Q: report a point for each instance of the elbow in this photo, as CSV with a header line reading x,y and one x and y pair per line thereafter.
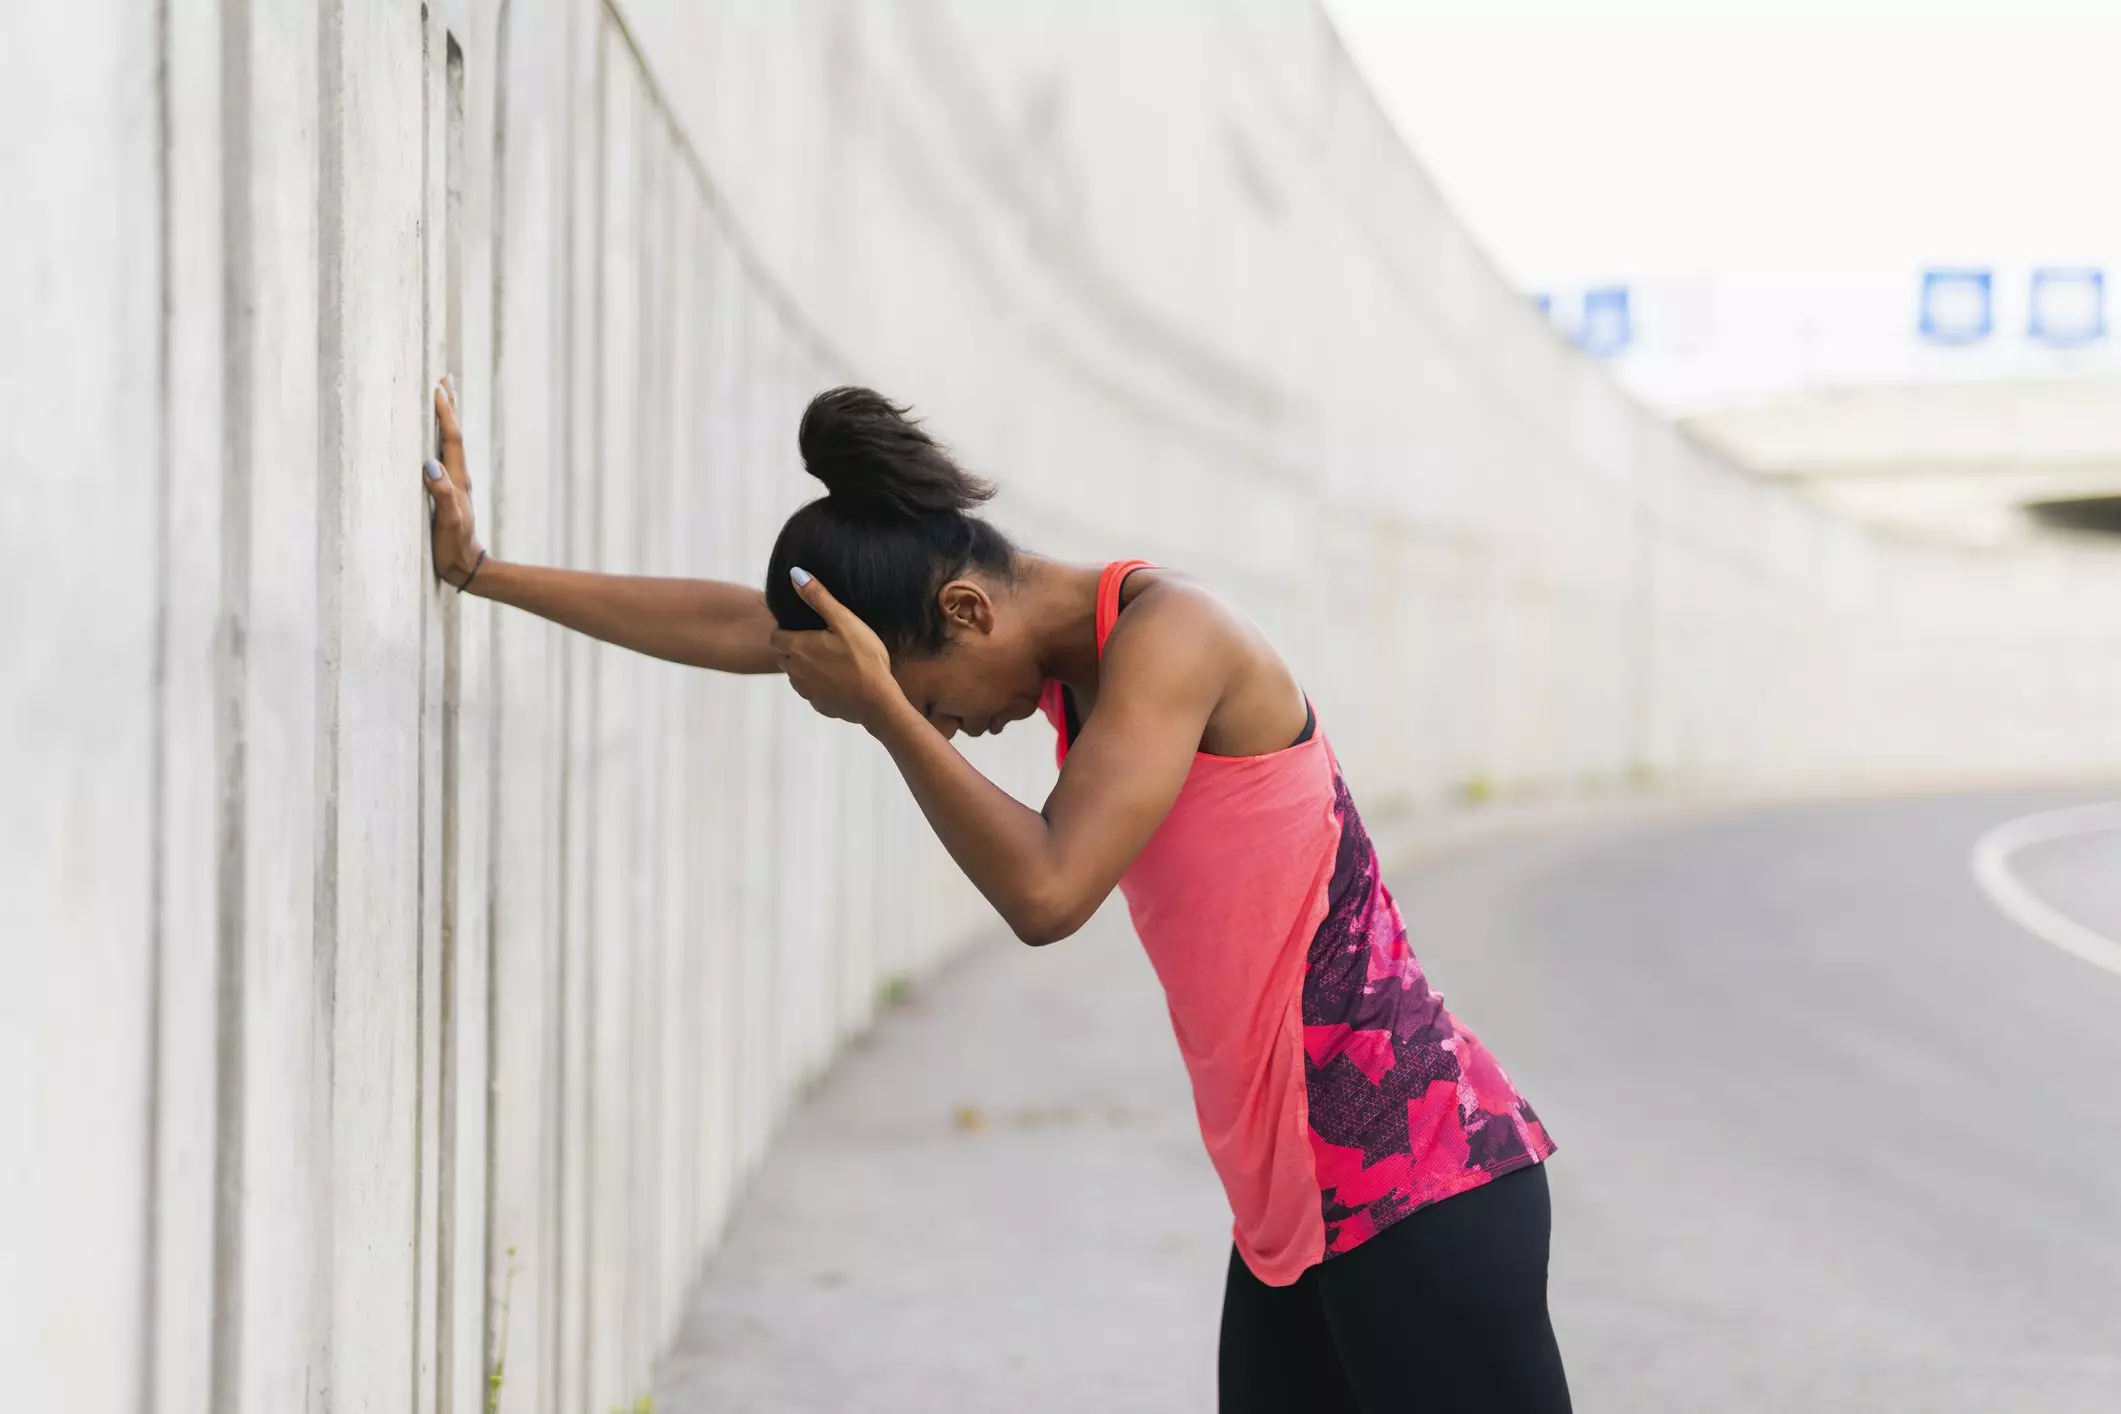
x,y
1040,922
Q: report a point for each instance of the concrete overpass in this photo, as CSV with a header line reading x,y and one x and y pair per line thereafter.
x,y
392,983
1968,463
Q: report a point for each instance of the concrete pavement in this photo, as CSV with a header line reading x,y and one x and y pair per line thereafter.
x,y
998,1201
1834,1136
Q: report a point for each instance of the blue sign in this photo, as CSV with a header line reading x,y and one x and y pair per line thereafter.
x,y
1608,327
1958,306
2067,308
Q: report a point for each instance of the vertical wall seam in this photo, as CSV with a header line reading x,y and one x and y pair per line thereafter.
x,y
238,367
421,882
452,692
146,1397
560,656
331,379
497,227
592,765
638,939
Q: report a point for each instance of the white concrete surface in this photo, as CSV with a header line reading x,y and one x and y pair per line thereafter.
x,y
364,947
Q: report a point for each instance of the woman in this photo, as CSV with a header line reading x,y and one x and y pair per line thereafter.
x,y
1391,1220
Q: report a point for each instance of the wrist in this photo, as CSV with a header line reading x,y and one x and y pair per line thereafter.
x,y
891,715
478,575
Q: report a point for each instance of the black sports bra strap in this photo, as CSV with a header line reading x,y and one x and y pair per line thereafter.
x,y
1310,723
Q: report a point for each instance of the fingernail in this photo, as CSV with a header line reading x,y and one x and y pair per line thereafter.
x,y
800,575
449,388
433,470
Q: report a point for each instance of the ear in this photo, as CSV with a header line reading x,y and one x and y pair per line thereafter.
x,y
966,607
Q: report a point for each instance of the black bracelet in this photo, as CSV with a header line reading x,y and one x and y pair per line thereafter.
x,y
474,573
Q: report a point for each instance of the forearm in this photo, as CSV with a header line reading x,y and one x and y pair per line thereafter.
x,y
1004,847
703,623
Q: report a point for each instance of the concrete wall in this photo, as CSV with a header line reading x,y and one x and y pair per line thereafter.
x,y
392,979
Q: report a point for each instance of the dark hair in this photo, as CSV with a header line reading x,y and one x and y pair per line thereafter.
x,y
892,528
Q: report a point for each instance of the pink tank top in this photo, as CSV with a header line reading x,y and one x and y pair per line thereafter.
x,y
1335,1093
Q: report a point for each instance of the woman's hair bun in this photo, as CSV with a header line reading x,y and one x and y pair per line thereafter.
x,y
872,456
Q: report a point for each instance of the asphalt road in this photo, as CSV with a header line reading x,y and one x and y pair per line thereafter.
x,y
1835,1135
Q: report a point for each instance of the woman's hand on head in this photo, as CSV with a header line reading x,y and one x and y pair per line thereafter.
x,y
843,669
456,538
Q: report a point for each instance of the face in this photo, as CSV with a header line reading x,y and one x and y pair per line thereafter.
x,y
987,674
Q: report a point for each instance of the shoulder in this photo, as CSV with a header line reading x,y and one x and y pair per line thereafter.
x,y
1173,622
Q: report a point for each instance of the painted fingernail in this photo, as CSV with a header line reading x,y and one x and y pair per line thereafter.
x,y
800,575
433,470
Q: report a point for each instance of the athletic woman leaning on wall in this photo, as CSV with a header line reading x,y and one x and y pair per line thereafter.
x,y
1391,1214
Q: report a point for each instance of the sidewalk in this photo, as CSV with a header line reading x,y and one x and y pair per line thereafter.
x,y
997,1201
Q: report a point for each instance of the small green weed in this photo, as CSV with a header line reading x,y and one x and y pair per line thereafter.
x,y
500,1354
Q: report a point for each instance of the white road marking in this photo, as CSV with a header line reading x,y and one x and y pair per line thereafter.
x,y
1992,870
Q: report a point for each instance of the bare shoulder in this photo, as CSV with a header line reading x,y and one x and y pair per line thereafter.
x,y
1173,619
1187,649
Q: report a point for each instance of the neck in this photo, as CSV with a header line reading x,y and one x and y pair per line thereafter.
x,y
1060,607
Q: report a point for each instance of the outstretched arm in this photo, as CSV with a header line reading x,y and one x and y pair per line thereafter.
x,y
1044,871
703,623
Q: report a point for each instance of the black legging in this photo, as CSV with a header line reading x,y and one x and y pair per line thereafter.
x,y
1444,1312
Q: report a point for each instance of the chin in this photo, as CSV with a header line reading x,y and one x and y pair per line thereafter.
x,y
1000,721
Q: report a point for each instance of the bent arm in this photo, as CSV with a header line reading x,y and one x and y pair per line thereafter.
x,y
703,623
1046,872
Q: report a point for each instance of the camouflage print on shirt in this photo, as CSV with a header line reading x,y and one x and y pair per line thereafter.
x,y
1407,1107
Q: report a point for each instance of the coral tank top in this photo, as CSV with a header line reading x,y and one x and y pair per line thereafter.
x,y
1335,1093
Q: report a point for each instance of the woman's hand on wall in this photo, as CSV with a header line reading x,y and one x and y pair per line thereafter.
x,y
456,538
843,669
